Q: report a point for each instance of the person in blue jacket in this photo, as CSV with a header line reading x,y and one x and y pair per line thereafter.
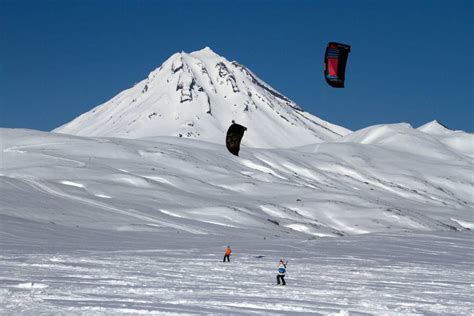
x,y
281,272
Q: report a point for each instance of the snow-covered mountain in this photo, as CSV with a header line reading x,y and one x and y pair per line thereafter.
x,y
197,95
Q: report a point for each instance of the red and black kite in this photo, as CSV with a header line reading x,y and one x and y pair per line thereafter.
x,y
335,61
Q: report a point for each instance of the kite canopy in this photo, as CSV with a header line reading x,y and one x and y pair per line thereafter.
x,y
335,61
234,136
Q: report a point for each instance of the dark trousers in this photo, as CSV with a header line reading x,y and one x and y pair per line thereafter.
x,y
282,278
228,258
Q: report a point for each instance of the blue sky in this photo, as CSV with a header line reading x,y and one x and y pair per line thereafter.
x,y
411,61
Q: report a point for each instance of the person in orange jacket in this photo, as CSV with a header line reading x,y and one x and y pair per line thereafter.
x,y
228,251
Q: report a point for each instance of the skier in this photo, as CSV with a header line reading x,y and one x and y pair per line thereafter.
x,y
281,272
228,251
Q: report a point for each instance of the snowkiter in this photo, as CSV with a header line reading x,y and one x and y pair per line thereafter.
x,y
281,272
228,251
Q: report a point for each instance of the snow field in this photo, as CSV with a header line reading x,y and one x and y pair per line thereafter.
x,y
410,274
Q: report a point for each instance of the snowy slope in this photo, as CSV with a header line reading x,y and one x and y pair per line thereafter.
x,y
197,95
428,140
457,140
378,179
138,226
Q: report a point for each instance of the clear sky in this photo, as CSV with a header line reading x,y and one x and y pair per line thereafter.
x,y
411,61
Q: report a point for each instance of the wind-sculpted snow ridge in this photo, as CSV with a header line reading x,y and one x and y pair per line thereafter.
x,y
197,95
457,140
435,140
384,178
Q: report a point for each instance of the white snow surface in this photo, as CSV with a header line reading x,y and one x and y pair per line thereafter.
x,y
93,225
197,95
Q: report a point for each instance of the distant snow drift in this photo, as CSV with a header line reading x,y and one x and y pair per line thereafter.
x,y
197,95
383,178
